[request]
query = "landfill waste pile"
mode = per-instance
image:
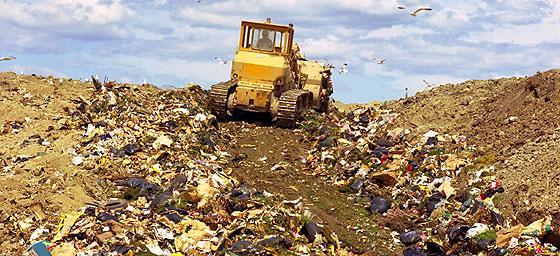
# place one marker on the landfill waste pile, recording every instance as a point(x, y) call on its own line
point(435, 192)
point(106, 168)
point(37, 177)
point(514, 120)
point(155, 156)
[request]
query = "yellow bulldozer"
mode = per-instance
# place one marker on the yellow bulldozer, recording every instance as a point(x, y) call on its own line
point(270, 75)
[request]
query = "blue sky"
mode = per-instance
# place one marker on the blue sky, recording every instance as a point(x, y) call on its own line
point(170, 42)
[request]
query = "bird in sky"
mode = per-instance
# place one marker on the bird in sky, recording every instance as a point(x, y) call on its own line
point(7, 58)
point(325, 62)
point(428, 85)
point(379, 61)
point(416, 12)
point(221, 60)
point(343, 69)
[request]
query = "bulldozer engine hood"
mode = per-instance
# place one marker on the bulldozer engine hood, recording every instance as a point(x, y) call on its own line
point(312, 71)
point(258, 68)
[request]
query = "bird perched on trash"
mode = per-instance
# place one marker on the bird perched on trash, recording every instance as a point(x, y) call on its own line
point(7, 58)
point(343, 69)
point(212, 122)
point(221, 61)
point(416, 12)
point(96, 84)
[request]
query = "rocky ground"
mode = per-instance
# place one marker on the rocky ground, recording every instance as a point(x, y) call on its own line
point(459, 169)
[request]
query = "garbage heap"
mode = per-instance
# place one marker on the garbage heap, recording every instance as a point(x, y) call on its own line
point(160, 161)
point(435, 192)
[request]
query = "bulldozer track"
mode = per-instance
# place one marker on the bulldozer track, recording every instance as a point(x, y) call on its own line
point(218, 100)
point(291, 107)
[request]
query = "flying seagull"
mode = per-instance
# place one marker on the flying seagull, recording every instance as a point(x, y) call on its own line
point(325, 62)
point(327, 65)
point(416, 12)
point(428, 85)
point(379, 61)
point(343, 69)
point(7, 58)
point(221, 61)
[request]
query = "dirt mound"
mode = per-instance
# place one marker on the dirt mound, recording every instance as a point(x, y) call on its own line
point(531, 180)
point(544, 85)
point(520, 113)
point(37, 177)
point(515, 119)
point(496, 115)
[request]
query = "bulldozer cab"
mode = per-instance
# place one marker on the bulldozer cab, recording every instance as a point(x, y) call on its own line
point(266, 38)
point(269, 75)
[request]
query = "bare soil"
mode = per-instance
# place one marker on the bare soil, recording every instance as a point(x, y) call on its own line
point(37, 177)
point(260, 147)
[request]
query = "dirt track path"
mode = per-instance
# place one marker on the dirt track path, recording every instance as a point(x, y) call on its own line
point(265, 146)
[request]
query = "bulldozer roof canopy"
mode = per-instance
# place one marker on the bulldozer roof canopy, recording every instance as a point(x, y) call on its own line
point(280, 45)
point(276, 27)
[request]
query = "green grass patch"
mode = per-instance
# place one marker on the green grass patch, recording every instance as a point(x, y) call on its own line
point(487, 235)
point(486, 160)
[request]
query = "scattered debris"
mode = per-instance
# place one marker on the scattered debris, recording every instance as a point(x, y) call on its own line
point(155, 166)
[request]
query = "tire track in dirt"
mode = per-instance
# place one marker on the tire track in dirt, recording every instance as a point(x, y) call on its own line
point(261, 147)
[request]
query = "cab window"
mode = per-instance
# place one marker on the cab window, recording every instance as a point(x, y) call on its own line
point(279, 40)
point(264, 39)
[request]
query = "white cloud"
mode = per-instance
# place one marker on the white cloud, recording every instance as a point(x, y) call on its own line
point(95, 12)
point(160, 2)
point(196, 70)
point(372, 7)
point(329, 45)
point(63, 12)
point(169, 41)
point(207, 18)
point(397, 31)
point(311, 7)
point(532, 34)
point(229, 13)
point(544, 30)
point(38, 70)
point(448, 18)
